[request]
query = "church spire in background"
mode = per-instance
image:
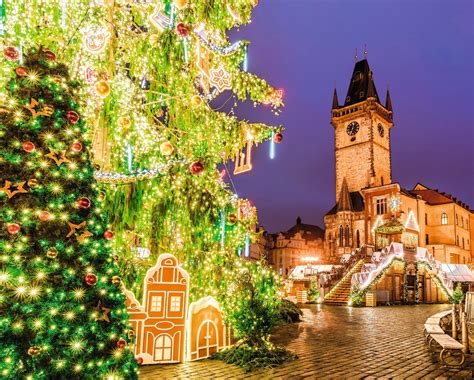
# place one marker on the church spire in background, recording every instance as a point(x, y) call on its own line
point(388, 101)
point(335, 101)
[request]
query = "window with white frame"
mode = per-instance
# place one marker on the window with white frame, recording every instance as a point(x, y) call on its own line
point(444, 218)
point(175, 303)
point(381, 206)
point(156, 303)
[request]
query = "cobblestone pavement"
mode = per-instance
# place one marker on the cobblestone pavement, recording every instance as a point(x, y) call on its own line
point(340, 342)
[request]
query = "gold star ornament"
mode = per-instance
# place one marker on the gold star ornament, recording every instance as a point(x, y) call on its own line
point(74, 227)
point(102, 312)
point(58, 156)
point(45, 110)
point(11, 189)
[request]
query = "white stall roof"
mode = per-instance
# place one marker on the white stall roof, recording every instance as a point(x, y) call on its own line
point(302, 271)
point(458, 272)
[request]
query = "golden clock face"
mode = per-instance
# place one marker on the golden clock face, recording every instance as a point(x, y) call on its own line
point(352, 128)
point(381, 130)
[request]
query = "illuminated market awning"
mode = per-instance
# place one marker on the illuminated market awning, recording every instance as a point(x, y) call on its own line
point(458, 272)
point(392, 227)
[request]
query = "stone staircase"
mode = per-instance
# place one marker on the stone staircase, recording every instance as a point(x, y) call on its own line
point(339, 294)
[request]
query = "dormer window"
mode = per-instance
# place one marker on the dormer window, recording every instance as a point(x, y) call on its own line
point(348, 99)
point(361, 94)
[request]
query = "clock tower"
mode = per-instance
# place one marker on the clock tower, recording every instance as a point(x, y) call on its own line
point(362, 134)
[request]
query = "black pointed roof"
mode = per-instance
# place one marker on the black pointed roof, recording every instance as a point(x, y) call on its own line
point(388, 101)
point(362, 84)
point(335, 101)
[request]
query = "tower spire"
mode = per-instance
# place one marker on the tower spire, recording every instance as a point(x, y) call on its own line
point(344, 202)
point(365, 51)
point(355, 57)
point(388, 101)
point(335, 101)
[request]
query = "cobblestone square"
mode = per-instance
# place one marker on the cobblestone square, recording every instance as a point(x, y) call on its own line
point(336, 342)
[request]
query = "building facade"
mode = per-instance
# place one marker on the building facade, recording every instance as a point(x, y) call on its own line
point(302, 244)
point(367, 199)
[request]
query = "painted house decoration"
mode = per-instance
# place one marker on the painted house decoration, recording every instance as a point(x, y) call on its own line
point(206, 332)
point(162, 323)
point(159, 322)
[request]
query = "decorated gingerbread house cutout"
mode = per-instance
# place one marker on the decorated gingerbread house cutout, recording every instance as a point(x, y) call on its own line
point(159, 322)
point(206, 332)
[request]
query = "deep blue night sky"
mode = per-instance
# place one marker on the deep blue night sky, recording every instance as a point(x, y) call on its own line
point(423, 50)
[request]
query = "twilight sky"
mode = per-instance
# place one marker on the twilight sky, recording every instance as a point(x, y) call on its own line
point(423, 50)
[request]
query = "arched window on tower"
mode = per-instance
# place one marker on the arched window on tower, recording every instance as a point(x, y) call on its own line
point(444, 218)
point(358, 239)
point(341, 236)
point(346, 237)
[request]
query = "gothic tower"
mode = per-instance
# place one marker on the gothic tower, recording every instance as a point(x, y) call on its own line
point(362, 133)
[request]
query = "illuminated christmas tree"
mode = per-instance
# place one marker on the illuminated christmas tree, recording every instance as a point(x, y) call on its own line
point(156, 75)
point(62, 309)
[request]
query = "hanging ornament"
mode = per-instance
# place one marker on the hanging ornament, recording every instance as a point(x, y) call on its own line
point(83, 202)
point(166, 148)
point(243, 158)
point(76, 147)
point(97, 39)
point(75, 227)
point(11, 53)
point(139, 360)
point(21, 71)
point(116, 280)
point(13, 228)
point(196, 167)
point(180, 4)
point(160, 20)
point(32, 183)
point(101, 312)
point(121, 343)
point(49, 55)
point(44, 216)
point(45, 110)
point(232, 219)
point(12, 189)
point(102, 88)
point(58, 156)
point(124, 122)
point(28, 146)
point(220, 79)
point(109, 235)
point(34, 350)
point(52, 253)
point(182, 30)
point(101, 196)
point(278, 138)
point(72, 116)
point(196, 100)
point(90, 279)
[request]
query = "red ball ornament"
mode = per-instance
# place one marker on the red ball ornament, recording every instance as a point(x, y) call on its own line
point(44, 216)
point(28, 146)
point(72, 116)
point(21, 71)
point(139, 360)
point(49, 55)
point(182, 30)
point(278, 138)
point(83, 202)
point(11, 53)
point(121, 343)
point(232, 218)
point(90, 279)
point(76, 147)
point(197, 167)
point(13, 228)
point(109, 235)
